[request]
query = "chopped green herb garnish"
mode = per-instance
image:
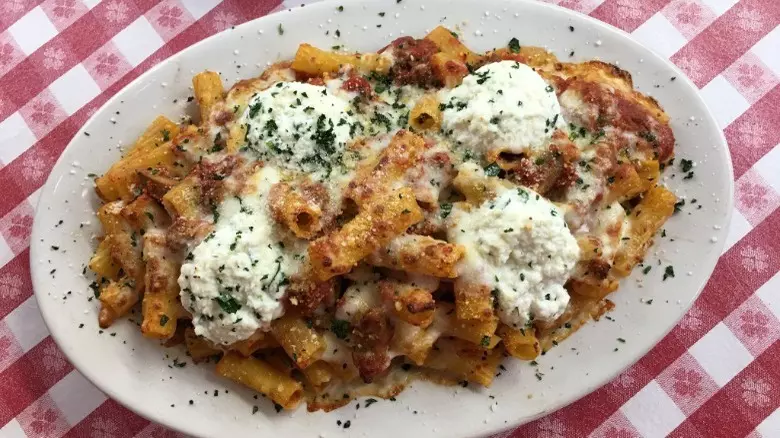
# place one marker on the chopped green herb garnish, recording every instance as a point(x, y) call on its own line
point(445, 209)
point(340, 328)
point(514, 45)
point(228, 303)
point(492, 169)
point(686, 165)
point(669, 272)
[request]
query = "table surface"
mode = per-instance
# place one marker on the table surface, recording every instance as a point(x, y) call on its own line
point(716, 374)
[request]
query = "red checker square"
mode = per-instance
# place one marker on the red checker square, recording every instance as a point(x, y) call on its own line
point(7, 106)
point(63, 13)
point(755, 198)
point(751, 77)
point(688, 430)
point(259, 8)
point(107, 65)
point(43, 113)
point(115, 15)
point(698, 69)
point(157, 57)
point(694, 319)
point(627, 14)
point(15, 284)
point(754, 325)
point(628, 382)
point(52, 60)
point(687, 383)
point(12, 10)
point(755, 132)
point(551, 426)
point(157, 431)
point(755, 258)
point(10, 53)
point(43, 419)
point(169, 18)
point(10, 350)
point(110, 419)
point(693, 325)
point(755, 392)
point(52, 362)
point(16, 225)
point(279, 7)
point(689, 16)
point(583, 6)
point(221, 18)
point(616, 426)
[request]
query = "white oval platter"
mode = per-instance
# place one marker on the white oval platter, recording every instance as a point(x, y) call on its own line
point(136, 372)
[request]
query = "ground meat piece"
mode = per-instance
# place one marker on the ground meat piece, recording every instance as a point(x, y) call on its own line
point(359, 85)
point(221, 116)
point(551, 172)
point(316, 81)
point(412, 62)
point(211, 175)
point(371, 336)
point(183, 231)
point(306, 296)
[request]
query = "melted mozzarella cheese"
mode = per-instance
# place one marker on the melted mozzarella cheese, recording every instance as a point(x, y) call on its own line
point(608, 227)
point(520, 246)
point(432, 175)
point(505, 105)
point(234, 280)
point(357, 300)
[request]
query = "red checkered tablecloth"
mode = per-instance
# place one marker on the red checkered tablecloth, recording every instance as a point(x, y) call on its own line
point(716, 374)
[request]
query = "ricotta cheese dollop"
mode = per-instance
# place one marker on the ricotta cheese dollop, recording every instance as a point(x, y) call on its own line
point(504, 105)
point(300, 127)
point(519, 245)
point(234, 280)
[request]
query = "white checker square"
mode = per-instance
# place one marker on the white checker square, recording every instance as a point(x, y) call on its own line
point(6, 253)
point(74, 89)
point(15, 137)
point(725, 102)
point(721, 354)
point(33, 30)
point(767, 50)
point(770, 427)
point(660, 35)
point(199, 8)
point(769, 293)
point(767, 166)
point(652, 412)
point(27, 325)
point(33, 198)
point(91, 3)
point(720, 6)
point(12, 430)
point(76, 397)
point(137, 41)
point(738, 228)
